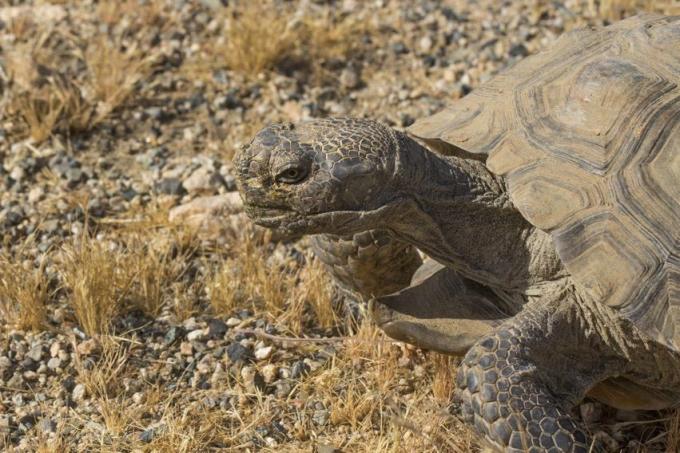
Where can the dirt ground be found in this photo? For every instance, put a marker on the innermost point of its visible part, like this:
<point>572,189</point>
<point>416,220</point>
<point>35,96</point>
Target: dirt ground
<point>139,309</point>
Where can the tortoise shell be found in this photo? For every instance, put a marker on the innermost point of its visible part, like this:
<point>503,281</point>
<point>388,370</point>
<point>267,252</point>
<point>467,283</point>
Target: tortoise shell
<point>587,135</point>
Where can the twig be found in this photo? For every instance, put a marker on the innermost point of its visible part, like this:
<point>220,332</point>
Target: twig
<point>282,339</point>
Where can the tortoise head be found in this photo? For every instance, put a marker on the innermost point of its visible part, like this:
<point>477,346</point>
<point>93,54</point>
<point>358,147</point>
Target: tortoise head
<point>321,176</point>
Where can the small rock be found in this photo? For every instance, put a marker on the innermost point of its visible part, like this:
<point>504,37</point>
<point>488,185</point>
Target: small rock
<point>173,334</point>
<point>47,426</point>
<point>326,449</point>
<point>233,322</point>
<point>349,78</point>
<point>320,417</point>
<point>207,214</point>
<point>196,335</point>
<point>518,50</point>
<point>185,348</point>
<point>35,353</point>
<point>299,369</point>
<point>54,363</point>
<point>425,43</point>
<point>263,353</point>
<point>216,329</point>
<point>55,349</point>
<point>237,352</point>
<point>170,186</point>
<point>88,347</point>
<point>203,180</point>
<point>137,397</point>
<point>78,393</point>
<point>5,362</point>
<point>270,372</point>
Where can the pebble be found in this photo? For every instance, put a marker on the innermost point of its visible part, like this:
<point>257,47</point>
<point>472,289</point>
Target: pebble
<point>237,352</point>
<point>196,335</point>
<point>349,78</point>
<point>269,372</point>
<point>78,393</point>
<point>186,348</point>
<point>88,347</point>
<point>263,353</point>
<point>299,369</point>
<point>35,353</point>
<point>54,363</point>
<point>216,329</point>
<point>170,186</point>
<point>173,334</point>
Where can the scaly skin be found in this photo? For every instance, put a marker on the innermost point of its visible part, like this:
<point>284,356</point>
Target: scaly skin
<point>368,264</point>
<point>345,177</point>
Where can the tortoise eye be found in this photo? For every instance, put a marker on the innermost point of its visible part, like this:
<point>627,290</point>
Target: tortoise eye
<point>291,175</point>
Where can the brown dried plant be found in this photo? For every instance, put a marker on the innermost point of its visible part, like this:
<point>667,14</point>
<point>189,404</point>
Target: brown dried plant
<point>24,290</point>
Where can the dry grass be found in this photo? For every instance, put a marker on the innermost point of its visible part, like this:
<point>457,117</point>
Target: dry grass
<point>263,35</point>
<point>114,72</point>
<point>24,291</point>
<point>139,271</point>
<point>315,289</point>
<point>618,9</point>
<point>95,274</point>
<point>673,433</point>
<point>251,278</point>
<point>49,100</point>
<point>46,99</point>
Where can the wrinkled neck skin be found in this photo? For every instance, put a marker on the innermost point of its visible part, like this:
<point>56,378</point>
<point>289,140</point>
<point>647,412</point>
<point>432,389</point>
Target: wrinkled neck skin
<point>459,213</point>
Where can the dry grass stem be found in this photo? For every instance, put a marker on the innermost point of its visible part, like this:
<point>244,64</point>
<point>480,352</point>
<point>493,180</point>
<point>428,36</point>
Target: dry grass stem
<point>618,9</point>
<point>95,274</point>
<point>24,292</point>
<point>114,73</point>
<point>251,277</point>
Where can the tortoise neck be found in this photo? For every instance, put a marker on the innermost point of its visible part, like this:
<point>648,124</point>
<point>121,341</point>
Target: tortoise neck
<point>459,213</point>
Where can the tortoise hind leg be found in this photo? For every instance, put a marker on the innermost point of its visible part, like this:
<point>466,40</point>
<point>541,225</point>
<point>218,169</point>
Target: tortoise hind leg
<point>440,310</point>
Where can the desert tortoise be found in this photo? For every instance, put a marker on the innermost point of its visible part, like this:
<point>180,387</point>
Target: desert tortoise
<point>551,210</point>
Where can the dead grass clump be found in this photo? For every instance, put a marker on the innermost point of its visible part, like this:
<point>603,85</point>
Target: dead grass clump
<point>251,279</point>
<point>258,36</point>
<point>114,72</point>
<point>673,433</point>
<point>96,275</point>
<point>315,289</point>
<point>24,292</point>
<point>48,99</point>
<point>613,10</point>
<point>262,35</point>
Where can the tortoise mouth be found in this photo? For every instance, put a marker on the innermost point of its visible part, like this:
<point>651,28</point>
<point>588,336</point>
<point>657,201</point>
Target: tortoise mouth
<point>290,221</point>
<point>267,216</point>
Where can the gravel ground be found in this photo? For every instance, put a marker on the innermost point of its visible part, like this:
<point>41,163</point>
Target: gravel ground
<point>140,310</point>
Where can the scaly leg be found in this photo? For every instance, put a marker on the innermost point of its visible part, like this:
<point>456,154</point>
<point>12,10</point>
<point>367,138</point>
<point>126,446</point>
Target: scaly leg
<point>367,264</point>
<point>518,384</point>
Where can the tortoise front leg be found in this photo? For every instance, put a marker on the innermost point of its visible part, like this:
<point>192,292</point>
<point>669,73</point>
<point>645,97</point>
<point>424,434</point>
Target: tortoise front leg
<point>517,385</point>
<point>440,310</point>
<point>367,264</point>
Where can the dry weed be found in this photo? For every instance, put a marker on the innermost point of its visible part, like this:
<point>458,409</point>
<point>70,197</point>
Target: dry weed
<point>24,291</point>
<point>49,100</point>
<point>618,9</point>
<point>263,35</point>
<point>314,290</point>
<point>114,72</point>
<point>673,433</point>
<point>46,99</point>
<point>95,273</point>
<point>251,278</point>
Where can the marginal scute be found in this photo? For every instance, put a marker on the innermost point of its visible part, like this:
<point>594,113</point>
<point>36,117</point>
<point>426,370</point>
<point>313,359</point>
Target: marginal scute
<point>587,135</point>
